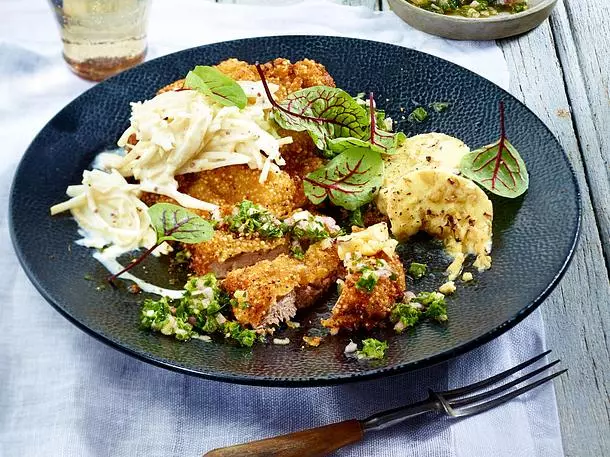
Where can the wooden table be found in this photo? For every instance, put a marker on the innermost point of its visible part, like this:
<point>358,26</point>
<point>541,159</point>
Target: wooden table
<point>560,71</point>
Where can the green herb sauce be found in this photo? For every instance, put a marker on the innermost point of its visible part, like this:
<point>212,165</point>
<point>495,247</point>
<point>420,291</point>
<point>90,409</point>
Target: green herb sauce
<point>472,8</point>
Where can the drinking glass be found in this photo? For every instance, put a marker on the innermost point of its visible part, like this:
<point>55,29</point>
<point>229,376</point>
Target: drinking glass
<point>102,37</point>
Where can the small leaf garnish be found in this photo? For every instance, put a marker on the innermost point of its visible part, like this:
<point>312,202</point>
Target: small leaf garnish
<point>383,141</point>
<point>418,115</point>
<point>375,139</point>
<point>337,146</point>
<point>218,86</point>
<point>324,112</point>
<point>498,167</point>
<point>172,223</point>
<point>349,180</point>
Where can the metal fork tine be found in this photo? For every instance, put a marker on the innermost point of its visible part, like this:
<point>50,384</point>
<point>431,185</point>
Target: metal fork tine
<point>449,394</point>
<point>504,398</point>
<point>491,393</point>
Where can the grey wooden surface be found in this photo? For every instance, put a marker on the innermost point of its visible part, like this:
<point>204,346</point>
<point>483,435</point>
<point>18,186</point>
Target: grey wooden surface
<point>560,71</point>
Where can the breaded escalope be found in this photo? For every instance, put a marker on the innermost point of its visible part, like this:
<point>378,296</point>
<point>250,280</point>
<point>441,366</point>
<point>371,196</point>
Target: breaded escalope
<point>227,251</point>
<point>268,288</point>
<point>359,308</point>
<point>275,289</point>
<point>289,76</point>
<point>300,156</point>
<point>322,267</point>
<point>282,193</point>
<point>229,186</point>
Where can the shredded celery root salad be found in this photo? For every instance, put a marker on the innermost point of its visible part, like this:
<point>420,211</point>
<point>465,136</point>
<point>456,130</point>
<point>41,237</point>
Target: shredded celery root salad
<point>431,182</point>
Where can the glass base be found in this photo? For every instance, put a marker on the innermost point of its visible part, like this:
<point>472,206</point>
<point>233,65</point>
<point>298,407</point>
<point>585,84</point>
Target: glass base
<point>105,67</point>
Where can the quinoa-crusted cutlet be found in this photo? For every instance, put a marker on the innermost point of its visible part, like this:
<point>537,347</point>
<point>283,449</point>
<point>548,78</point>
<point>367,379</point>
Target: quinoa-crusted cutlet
<point>275,289</point>
<point>282,193</point>
<point>360,308</point>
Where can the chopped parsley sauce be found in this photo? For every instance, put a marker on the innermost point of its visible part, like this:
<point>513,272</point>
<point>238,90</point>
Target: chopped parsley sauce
<point>472,8</point>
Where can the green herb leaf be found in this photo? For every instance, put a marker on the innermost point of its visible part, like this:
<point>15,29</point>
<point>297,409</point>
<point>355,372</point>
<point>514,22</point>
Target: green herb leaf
<point>356,218</point>
<point>439,107</point>
<point>407,314</point>
<point>349,180</point>
<point>388,142</point>
<point>221,88</point>
<point>311,229</point>
<point>249,218</point>
<point>297,252</point>
<point>434,304</point>
<point>154,313</point>
<point>372,349</point>
<point>174,223</point>
<point>418,115</point>
<point>338,146</point>
<point>368,280</point>
<point>384,143</point>
<point>498,167</point>
<point>380,139</point>
<point>324,112</point>
<point>417,270</point>
<point>243,336</point>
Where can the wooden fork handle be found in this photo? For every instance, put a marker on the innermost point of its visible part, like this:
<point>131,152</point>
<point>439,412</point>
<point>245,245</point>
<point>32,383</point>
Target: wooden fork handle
<point>315,442</point>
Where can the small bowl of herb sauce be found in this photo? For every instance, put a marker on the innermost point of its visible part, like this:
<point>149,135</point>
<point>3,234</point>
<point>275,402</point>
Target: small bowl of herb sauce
<point>473,19</point>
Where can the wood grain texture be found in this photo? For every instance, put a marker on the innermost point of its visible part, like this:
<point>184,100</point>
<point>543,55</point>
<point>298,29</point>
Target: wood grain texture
<point>577,314</point>
<point>315,442</point>
<point>582,37</point>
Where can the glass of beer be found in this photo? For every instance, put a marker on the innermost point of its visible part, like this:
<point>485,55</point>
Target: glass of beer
<point>102,37</point>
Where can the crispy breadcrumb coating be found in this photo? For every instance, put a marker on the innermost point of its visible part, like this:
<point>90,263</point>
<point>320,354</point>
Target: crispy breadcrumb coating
<point>225,246</point>
<point>358,308</point>
<point>229,186</point>
<point>289,76</point>
<point>265,283</point>
<point>268,281</point>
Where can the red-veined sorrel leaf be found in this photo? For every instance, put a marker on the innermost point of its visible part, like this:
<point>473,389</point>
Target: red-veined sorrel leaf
<point>338,146</point>
<point>381,140</point>
<point>324,112</point>
<point>349,180</point>
<point>213,83</point>
<point>375,138</point>
<point>174,223</point>
<point>498,167</point>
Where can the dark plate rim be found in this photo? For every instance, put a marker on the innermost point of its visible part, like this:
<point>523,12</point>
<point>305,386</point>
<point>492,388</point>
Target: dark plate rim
<point>254,380</point>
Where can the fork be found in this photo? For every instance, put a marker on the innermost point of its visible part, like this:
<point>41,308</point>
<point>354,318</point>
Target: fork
<point>465,401</point>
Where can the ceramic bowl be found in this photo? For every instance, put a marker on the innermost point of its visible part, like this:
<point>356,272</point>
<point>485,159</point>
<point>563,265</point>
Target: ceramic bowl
<point>464,28</point>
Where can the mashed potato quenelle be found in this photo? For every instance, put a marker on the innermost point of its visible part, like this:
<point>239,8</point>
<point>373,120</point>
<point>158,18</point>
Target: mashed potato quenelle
<point>446,206</point>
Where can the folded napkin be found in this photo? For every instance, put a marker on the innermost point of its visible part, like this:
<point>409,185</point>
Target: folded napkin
<point>62,393</point>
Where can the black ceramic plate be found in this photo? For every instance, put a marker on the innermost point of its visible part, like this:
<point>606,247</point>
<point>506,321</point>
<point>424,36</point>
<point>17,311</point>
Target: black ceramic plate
<point>534,236</point>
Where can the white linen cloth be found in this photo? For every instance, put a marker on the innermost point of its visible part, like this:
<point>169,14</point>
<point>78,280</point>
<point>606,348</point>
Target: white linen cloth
<point>63,393</point>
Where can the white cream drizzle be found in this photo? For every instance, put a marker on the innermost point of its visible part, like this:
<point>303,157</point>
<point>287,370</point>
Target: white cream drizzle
<point>113,266</point>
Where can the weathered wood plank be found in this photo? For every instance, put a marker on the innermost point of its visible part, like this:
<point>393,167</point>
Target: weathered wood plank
<point>582,37</point>
<point>577,314</point>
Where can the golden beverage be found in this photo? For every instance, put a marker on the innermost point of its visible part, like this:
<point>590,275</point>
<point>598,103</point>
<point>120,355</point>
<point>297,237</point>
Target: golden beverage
<point>102,37</point>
